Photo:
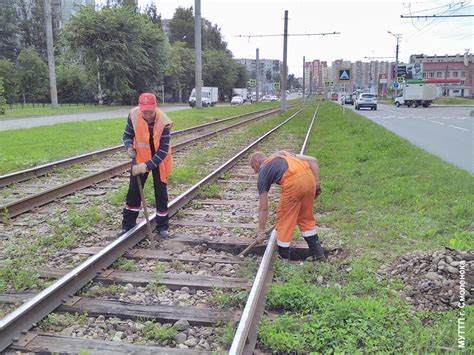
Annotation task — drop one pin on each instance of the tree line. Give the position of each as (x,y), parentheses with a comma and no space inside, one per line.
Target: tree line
(110,55)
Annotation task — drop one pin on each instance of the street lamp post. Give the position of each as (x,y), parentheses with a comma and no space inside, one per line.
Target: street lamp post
(397,36)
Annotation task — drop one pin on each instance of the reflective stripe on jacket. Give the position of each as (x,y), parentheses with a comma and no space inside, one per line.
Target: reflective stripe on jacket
(141,141)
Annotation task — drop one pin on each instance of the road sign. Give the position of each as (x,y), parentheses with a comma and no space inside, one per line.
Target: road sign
(396,86)
(383,78)
(328,83)
(252,83)
(276,86)
(400,79)
(344,75)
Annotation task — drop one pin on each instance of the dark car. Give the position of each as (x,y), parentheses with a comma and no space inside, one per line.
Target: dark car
(348,99)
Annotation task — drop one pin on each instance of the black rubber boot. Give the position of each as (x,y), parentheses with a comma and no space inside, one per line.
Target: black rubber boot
(315,248)
(162,225)
(129,219)
(284,252)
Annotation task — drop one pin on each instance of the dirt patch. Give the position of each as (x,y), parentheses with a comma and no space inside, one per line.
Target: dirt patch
(433,279)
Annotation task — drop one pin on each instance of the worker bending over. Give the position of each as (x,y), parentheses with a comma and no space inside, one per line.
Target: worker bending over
(298,176)
(147,140)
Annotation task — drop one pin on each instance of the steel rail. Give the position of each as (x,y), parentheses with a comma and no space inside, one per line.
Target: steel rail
(24,317)
(248,319)
(41,170)
(27,203)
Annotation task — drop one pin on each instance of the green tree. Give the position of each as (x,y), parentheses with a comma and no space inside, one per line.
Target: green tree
(152,13)
(3,102)
(182,27)
(72,84)
(211,36)
(125,49)
(180,70)
(219,69)
(9,47)
(31,74)
(7,75)
(242,76)
(293,82)
(31,27)
(182,30)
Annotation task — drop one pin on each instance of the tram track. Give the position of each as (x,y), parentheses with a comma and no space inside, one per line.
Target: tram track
(207,234)
(116,163)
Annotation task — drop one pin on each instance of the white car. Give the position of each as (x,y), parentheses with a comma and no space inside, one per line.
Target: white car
(237,100)
(366,100)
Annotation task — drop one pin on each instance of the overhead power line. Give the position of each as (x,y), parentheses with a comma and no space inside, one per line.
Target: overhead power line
(294,34)
(434,16)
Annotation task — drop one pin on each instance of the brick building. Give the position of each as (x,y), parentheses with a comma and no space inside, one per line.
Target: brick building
(449,67)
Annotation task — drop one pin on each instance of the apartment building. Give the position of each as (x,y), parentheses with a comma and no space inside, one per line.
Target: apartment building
(270,71)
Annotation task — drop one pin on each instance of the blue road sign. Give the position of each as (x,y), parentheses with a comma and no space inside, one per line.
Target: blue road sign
(344,74)
(396,85)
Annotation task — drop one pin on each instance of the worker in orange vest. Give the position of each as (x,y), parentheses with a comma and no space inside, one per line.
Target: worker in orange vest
(147,140)
(298,176)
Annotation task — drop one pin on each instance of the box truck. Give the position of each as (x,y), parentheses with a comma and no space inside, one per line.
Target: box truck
(209,96)
(415,95)
(241,92)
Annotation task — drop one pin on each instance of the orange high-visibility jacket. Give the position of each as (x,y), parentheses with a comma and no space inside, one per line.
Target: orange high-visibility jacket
(295,166)
(141,142)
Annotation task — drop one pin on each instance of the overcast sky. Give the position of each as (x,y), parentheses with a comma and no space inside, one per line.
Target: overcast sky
(363,27)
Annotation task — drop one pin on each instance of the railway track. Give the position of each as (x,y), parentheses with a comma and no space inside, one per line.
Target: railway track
(19,194)
(194,270)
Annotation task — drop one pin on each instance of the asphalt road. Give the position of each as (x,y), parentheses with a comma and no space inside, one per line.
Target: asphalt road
(19,123)
(445,131)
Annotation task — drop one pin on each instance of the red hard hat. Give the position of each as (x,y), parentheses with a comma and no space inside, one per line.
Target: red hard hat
(147,102)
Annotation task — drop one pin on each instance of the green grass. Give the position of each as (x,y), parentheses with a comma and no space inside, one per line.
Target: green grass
(382,190)
(364,315)
(153,331)
(454,101)
(386,198)
(48,110)
(25,148)
(17,269)
(223,299)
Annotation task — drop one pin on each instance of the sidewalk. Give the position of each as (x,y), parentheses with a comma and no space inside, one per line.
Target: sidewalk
(21,123)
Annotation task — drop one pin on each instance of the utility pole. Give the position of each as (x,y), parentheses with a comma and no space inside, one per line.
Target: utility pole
(257,70)
(285,74)
(197,52)
(397,36)
(445,93)
(49,46)
(304,69)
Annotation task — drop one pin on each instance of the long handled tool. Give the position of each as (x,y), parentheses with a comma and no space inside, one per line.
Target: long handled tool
(145,211)
(254,243)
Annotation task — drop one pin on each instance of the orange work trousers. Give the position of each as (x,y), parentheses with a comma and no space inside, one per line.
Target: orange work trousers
(296,207)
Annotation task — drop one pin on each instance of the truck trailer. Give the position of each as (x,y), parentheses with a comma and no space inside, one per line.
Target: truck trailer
(209,96)
(415,95)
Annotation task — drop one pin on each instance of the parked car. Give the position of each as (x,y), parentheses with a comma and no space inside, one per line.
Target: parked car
(273,98)
(237,100)
(366,100)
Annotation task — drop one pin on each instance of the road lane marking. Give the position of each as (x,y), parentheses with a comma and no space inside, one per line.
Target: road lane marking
(441,123)
(423,119)
(463,129)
